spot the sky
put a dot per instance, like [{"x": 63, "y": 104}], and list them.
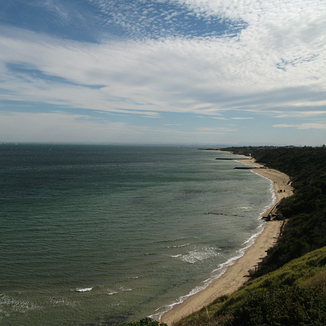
[{"x": 163, "y": 71}]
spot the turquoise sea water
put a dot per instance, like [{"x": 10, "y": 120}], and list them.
[{"x": 97, "y": 235}]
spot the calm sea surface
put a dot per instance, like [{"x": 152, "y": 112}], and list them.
[{"x": 103, "y": 234}]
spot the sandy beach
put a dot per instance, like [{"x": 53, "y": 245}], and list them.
[{"x": 237, "y": 274}]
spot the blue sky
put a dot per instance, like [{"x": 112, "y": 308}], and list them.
[{"x": 163, "y": 71}]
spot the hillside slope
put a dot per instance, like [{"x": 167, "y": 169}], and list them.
[{"x": 295, "y": 294}]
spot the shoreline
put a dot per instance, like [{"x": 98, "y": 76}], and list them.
[{"x": 236, "y": 274}]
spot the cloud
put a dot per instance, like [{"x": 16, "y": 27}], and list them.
[
  {"x": 266, "y": 58},
  {"x": 242, "y": 118},
  {"x": 159, "y": 19},
  {"x": 59, "y": 127},
  {"x": 205, "y": 76},
  {"x": 302, "y": 114},
  {"x": 76, "y": 128},
  {"x": 302, "y": 126},
  {"x": 219, "y": 118},
  {"x": 62, "y": 127},
  {"x": 56, "y": 8}
]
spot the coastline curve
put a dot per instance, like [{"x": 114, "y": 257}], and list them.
[{"x": 232, "y": 274}]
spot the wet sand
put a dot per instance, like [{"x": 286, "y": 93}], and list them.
[{"x": 237, "y": 274}]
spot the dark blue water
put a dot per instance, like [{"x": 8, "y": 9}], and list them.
[{"x": 104, "y": 234}]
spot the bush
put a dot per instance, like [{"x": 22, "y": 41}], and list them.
[
  {"x": 144, "y": 322},
  {"x": 285, "y": 305}
]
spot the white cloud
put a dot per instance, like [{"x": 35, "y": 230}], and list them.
[
  {"x": 59, "y": 127},
  {"x": 302, "y": 126},
  {"x": 55, "y": 7},
  {"x": 302, "y": 114},
  {"x": 219, "y": 118},
  {"x": 75, "y": 128},
  {"x": 242, "y": 118},
  {"x": 280, "y": 31},
  {"x": 203, "y": 76},
  {"x": 276, "y": 64}
]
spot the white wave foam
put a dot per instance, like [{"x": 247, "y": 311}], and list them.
[
  {"x": 9, "y": 305},
  {"x": 214, "y": 275},
  {"x": 245, "y": 207},
  {"x": 239, "y": 253},
  {"x": 179, "y": 246},
  {"x": 62, "y": 302},
  {"x": 162, "y": 310},
  {"x": 272, "y": 193},
  {"x": 196, "y": 255},
  {"x": 84, "y": 289},
  {"x": 172, "y": 240}
]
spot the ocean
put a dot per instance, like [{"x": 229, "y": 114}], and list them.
[{"x": 99, "y": 234}]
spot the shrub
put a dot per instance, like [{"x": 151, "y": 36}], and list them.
[{"x": 144, "y": 322}]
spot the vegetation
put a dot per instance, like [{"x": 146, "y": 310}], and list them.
[
  {"x": 290, "y": 286},
  {"x": 292, "y": 295},
  {"x": 145, "y": 322},
  {"x": 305, "y": 211}
]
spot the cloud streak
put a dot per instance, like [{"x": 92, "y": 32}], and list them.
[{"x": 303, "y": 126}]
